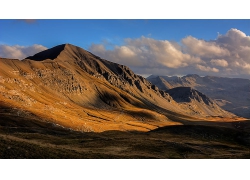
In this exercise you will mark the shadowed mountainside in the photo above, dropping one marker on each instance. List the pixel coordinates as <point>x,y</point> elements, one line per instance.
<point>189,97</point>
<point>232,94</point>
<point>71,87</point>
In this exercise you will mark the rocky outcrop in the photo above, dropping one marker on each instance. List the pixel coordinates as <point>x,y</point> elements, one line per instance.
<point>197,101</point>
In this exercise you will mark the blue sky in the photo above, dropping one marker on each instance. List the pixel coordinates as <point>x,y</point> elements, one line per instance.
<point>83,33</point>
<point>163,47</point>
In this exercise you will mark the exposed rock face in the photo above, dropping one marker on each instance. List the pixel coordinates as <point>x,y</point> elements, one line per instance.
<point>187,94</point>
<point>74,88</point>
<point>232,94</point>
<point>194,99</point>
<point>118,75</point>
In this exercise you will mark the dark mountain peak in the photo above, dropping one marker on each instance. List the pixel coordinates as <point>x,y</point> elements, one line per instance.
<point>51,53</point>
<point>187,94</point>
<point>62,52</point>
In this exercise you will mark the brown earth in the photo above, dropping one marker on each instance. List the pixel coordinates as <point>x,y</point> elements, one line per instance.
<point>29,138</point>
<point>71,87</point>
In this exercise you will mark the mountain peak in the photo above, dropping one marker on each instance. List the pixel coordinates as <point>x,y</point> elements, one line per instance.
<point>63,51</point>
<point>51,53</point>
<point>186,94</point>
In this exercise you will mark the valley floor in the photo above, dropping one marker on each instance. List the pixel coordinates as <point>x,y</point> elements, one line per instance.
<point>38,140</point>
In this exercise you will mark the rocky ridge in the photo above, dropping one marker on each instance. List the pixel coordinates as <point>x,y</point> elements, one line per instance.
<point>231,94</point>
<point>74,88</point>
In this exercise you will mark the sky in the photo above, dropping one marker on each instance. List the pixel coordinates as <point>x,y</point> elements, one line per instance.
<point>153,47</point>
<point>148,46</point>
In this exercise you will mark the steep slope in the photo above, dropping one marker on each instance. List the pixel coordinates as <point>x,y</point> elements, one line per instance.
<point>73,58</point>
<point>200,103</point>
<point>232,94</point>
<point>73,88</point>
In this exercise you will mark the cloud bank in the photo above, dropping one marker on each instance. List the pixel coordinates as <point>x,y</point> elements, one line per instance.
<point>20,52</point>
<point>227,55</point>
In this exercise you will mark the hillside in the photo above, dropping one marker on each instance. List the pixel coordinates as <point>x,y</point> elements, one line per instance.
<point>75,89</point>
<point>200,103</point>
<point>29,138</point>
<point>232,94</point>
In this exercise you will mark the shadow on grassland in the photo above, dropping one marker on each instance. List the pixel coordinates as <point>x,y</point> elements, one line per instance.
<point>31,137</point>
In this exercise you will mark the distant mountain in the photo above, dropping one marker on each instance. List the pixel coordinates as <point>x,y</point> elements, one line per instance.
<point>73,88</point>
<point>232,94</point>
<point>200,103</point>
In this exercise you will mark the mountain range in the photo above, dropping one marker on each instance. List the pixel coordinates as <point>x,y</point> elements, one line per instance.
<point>75,89</point>
<point>66,102</point>
<point>231,94</point>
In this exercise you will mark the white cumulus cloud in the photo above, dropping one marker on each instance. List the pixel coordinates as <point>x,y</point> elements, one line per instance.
<point>219,62</point>
<point>20,52</point>
<point>146,51</point>
<point>227,55</point>
<point>204,49</point>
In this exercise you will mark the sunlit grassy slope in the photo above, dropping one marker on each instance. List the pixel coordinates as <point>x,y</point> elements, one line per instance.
<point>73,88</point>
